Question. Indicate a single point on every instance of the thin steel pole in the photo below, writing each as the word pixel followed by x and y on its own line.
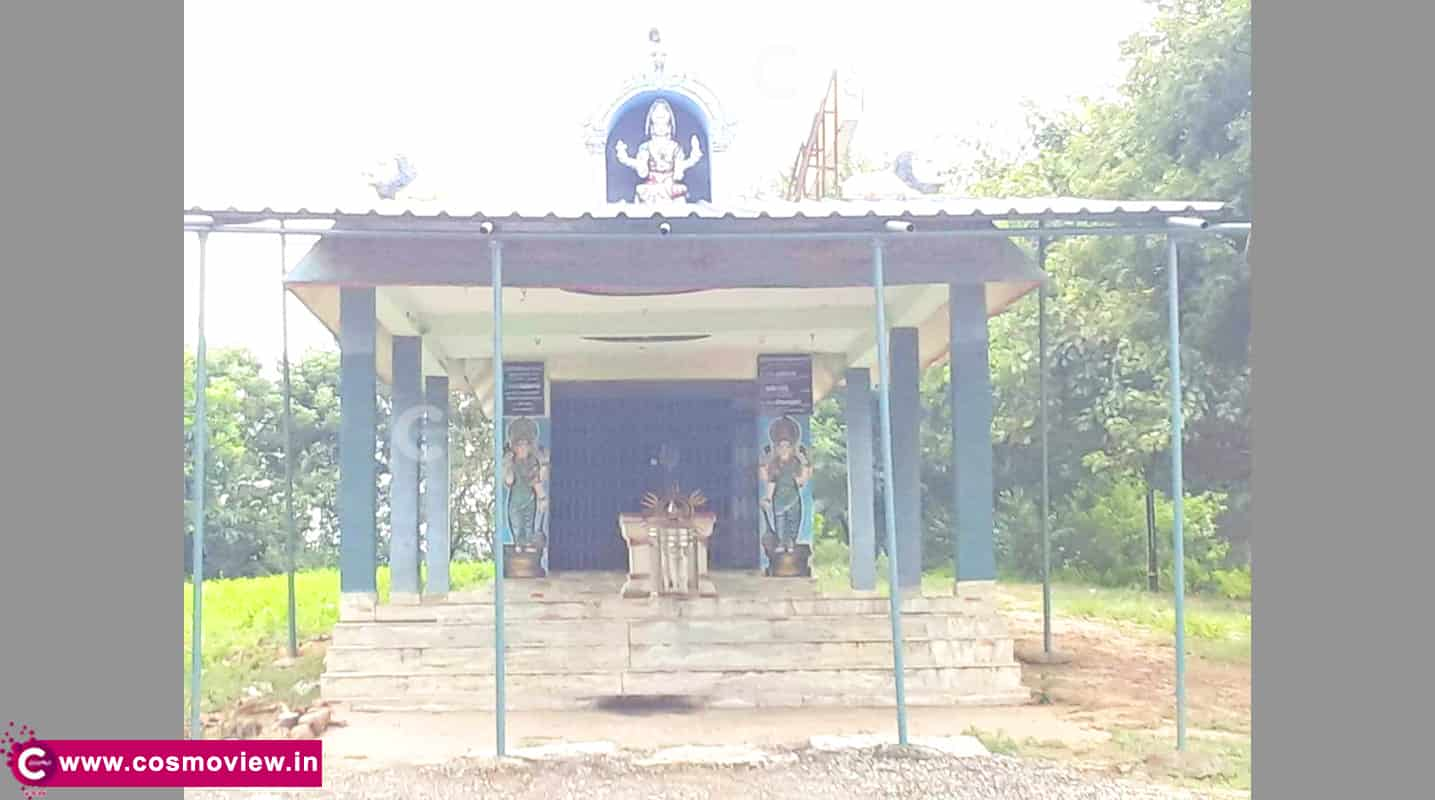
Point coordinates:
pixel 894 595
pixel 293 534
pixel 1178 552
pixel 1045 457
pixel 201 451
pixel 499 512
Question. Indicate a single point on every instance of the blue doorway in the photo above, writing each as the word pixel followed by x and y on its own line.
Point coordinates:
pixel 607 436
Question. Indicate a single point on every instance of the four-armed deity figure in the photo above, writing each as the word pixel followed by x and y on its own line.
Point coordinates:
pixel 785 469
pixel 660 161
pixel 525 473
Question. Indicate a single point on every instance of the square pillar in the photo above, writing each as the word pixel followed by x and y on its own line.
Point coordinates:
pixel 971 405
pixel 906 403
pixel 861 482
pixel 404 430
pixel 358 463
pixel 436 485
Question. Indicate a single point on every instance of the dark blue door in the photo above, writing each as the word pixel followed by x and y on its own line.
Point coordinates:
pixel 606 438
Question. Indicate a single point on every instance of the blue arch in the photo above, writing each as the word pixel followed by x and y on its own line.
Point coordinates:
pixel 628 124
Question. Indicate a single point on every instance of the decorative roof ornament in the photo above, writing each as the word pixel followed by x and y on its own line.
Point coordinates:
pixel 390 176
pixel 660 56
pixel 657 78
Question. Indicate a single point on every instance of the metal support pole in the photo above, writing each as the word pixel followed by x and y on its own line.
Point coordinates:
pixel 1153 567
pixel 1045 456
pixel 499 515
pixel 894 590
pixel 1178 552
pixel 293 534
pixel 201 452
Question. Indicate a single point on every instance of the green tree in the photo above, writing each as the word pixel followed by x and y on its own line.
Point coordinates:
pixel 242 524
pixel 1180 128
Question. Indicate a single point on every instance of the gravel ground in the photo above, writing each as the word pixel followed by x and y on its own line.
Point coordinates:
pixel 805 775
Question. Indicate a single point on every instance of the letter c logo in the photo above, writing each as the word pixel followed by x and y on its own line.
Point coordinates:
pixel 23 761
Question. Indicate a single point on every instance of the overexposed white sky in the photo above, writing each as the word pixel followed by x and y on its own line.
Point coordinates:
pixel 285 104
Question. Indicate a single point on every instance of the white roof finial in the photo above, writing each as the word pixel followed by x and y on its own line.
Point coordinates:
pixel 659 55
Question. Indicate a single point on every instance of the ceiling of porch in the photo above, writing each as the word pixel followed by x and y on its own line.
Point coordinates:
pixel 714 334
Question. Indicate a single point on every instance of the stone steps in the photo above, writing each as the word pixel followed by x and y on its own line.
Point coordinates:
pixel 868 628
pixel 564 658
pixel 584 586
pixel 771 647
pixel 612 607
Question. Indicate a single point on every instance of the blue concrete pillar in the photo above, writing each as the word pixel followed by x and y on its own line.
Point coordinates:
pixel 406 422
pixel 358 437
pixel 971 404
pixel 436 482
pixel 861 482
pixel 906 407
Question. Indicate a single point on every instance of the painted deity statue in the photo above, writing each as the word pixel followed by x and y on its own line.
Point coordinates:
pixel 784 471
pixel 525 473
pixel 660 161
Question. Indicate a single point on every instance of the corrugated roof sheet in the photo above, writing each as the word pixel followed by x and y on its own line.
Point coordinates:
pixel 1067 208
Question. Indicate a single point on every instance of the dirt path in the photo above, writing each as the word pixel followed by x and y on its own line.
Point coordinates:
pixel 1123 676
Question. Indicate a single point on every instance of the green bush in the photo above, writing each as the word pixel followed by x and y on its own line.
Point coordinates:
pixel 1099 537
pixel 1233 584
pixel 1017 539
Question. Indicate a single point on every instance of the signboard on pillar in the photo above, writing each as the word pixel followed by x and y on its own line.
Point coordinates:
pixel 784 395
pixel 526 448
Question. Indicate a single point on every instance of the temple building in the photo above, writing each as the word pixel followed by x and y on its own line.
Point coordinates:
pixel 662 350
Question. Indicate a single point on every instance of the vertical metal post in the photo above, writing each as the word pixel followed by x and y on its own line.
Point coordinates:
pixel 201 452
pixel 1178 551
pixel 894 589
pixel 1045 455
pixel 289 547
pixel 499 515
pixel 1153 567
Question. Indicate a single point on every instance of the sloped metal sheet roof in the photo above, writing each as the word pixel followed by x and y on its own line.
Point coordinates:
pixel 1054 208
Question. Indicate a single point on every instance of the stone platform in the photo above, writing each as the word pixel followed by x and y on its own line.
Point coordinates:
pixel 572 642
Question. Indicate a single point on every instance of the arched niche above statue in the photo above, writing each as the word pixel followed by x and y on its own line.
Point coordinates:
pixel 695 113
pixel 657 151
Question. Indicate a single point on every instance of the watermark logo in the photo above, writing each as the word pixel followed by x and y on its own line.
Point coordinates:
pixel 154 763
pixel 31 761
pixel 421 435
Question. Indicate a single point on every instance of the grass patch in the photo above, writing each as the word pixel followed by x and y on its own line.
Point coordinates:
pixel 1206 762
pixel 246 628
pixel 1216 628
pixel 999 742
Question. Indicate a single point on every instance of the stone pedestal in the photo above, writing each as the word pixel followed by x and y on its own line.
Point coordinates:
pixel 657 543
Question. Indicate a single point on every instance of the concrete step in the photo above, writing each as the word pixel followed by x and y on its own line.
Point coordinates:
pixel 585 586
pixel 849 628
pixel 479 634
pixel 565 632
pixel 664 608
pixel 717 688
pixel 519 659
pixel 548 702
pixel 817 655
pixel 580 658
